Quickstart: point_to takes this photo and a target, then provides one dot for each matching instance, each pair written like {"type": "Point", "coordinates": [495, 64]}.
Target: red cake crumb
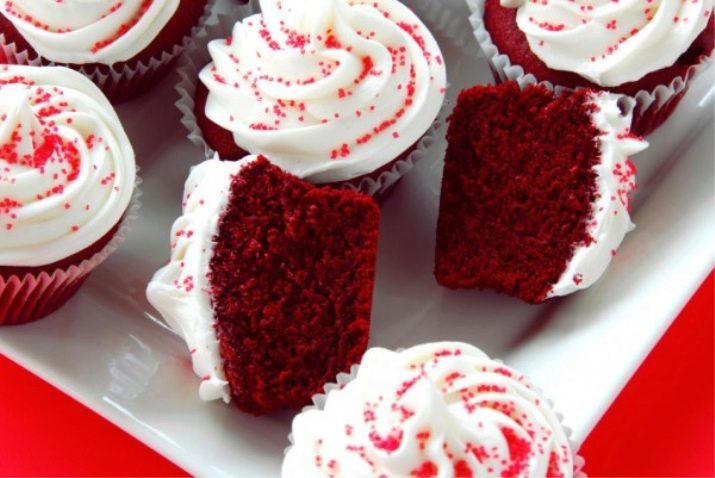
{"type": "Point", "coordinates": [292, 279]}
{"type": "Point", "coordinates": [517, 190]}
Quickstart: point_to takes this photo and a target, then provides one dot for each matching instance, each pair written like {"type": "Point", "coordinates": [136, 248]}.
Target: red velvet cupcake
{"type": "Point", "coordinates": [124, 47]}
{"type": "Point", "coordinates": [344, 94]}
{"type": "Point", "coordinates": [270, 282]}
{"type": "Point", "coordinates": [67, 177]}
{"type": "Point", "coordinates": [645, 49]}
{"type": "Point", "coordinates": [536, 189]}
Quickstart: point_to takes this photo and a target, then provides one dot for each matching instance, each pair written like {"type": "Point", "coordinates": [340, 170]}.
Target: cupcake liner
{"type": "Point", "coordinates": [193, 61]}
{"type": "Point", "coordinates": [652, 107]}
{"type": "Point", "coordinates": [33, 296]}
{"type": "Point", "coordinates": [129, 80]}
{"type": "Point", "coordinates": [197, 57]}
{"type": "Point", "coordinates": [343, 379]}
{"type": "Point", "coordinates": [381, 184]}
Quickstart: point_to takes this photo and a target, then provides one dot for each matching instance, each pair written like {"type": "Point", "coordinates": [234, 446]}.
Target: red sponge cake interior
{"type": "Point", "coordinates": [292, 279]}
{"type": "Point", "coordinates": [517, 190]}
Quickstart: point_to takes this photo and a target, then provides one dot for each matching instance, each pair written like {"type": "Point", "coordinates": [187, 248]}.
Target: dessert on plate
{"type": "Point", "coordinates": [330, 90]}
{"type": "Point", "coordinates": [647, 49]}
{"type": "Point", "coordinates": [270, 282]}
{"type": "Point", "coordinates": [439, 409]}
{"type": "Point", "coordinates": [67, 176]}
{"type": "Point", "coordinates": [536, 189]}
{"type": "Point", "coordinates": [125, 47]}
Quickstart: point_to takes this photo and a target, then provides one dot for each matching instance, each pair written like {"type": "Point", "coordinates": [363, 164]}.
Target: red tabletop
{"type": "Point", "coordinates": [662, 424]}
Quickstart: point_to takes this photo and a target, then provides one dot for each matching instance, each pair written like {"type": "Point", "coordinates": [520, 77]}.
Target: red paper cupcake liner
{"type": "Point", "coordinates": [377, 183]}
{"type": "Point", "coordinates": [125, 83]}
{"type": "Point", "coordinates": [653, 107]}
{"type": "Point", "coordinates": [34, 295]}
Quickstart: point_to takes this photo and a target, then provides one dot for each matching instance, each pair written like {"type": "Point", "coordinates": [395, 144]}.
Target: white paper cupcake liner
{"type": "Point", "coordinates": [121, 84]}
{"type": "Point", "coordinates": [651, 106]}
{"type": "Point", "coordinates": [197, 57]}
{"type": "Point", "coordinates": [35, 295]}
{"type": "Point", "coordinates": [319, 400]}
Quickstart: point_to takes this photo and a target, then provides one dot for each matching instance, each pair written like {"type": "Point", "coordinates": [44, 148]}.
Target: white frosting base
{"type": "Point", "coordinates": [610, 42]}
{"type": "Point", "coordinates": [66, 200]}
{"type": "Point", "coordinates": [74, 31]}
{"type": "Point", "coordinates": [615, 179]}
{"type": "Point", "coordinates": [442, 403]}
{"type": "Point", "coordinates": [180, 291]}
{"type": "Point", "coordinates": [328, 89]}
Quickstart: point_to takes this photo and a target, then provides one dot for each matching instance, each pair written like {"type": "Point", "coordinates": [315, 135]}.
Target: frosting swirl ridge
{"type": "Point", "coordinates": [439, 409]}
{"type": "Point", "coordinates": [89, 31]}
{"type": "Point", "coordinates": [67, 169]}
{"type": "Point", "coordinates": [328, 89]}
{"type": "Point", "coordinates": [610, 42]}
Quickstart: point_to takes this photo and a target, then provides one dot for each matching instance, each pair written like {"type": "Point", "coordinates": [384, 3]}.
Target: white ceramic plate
{"type": "Point", "coordinates": [103, 349]}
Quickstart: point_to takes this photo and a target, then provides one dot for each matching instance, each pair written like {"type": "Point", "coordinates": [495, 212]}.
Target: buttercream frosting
{"type": "Point", "coordinates": [328, 89]}
{"type": "Point", "coordinates": [610, 42]}
{"type": "Point", "coordinates": [180, 291]}
{"type": "Point", "coordinates": [439, 409]}
{"type": "Point", "coordinates": [610, 218]}
{"type": "Point", "coordinates": [89, 31]}
{"type": "Point", "coordinates": [67, 169]}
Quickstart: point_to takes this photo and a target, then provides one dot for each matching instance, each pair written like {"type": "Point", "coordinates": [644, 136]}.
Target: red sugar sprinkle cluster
{"type": "Point", "coordinates": [11, 10]}
{"type": "Point", "coordinates": [517, 191]}
{"type": "Point", "coordinates": [285, 114]}
{"type": "Point", "coordinates": [510, 462]}
{"type": "Point", "coordinates": [291, 284]}
{"type": "Point", "coordinates": [48, 153]}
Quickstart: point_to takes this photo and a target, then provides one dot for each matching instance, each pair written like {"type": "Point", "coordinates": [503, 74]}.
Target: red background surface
{"type": "Point", "coordinates": [662, 424]}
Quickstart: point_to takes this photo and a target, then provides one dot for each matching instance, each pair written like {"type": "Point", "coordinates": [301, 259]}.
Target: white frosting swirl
{"type": "Point", "coordinates": [610, 42]}
{"type": "Point", "coordinates": [180, 290]}
{"type": "Point", "coordinates": [328, 89]}
{"type": "Point", "coordinates": [67, 169]}
{"type": "Point", "coordinates": [89, 31]}
{"type": "Point", "coordinates": [615, 180]}
{"type": "Point", "coordinates": [440, 409]}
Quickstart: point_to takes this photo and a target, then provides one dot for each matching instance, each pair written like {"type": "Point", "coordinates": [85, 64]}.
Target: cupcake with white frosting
{"type": "Point", "coordinates": [125, 47]}
{"type": "Point", "coordinates": [646, 49]}
{"type": "Point", "coordinates": [330, 90]}
{"type": "Point", "coordinates": [439, 409]}
{"type": "Point", "coordinates": [67, 177]}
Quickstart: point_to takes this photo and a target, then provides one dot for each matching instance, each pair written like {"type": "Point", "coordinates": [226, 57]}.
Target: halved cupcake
{"type": "Point", "coordinates": [536, 190]}
{"type": "Point", "coordinates": [270, 282]}
{"type": "Point", "coordinates": [67, 176]}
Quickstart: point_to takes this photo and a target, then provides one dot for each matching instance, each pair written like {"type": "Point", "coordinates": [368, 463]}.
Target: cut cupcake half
{"type": "Point", "coordinates": [536, 190]}
{"type": "Point", "coordinates": [270, 282]}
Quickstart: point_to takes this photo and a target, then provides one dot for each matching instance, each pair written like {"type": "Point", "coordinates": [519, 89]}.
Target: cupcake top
{"type": "Point", "coordinates": [609, 42]}
{"type": "Point", "coordinates": [67, 169]}
{"type": "Point", "coordinates": [328, 89]}
{"type": "Point", "coordinates": [439, 409]}
{"type": "Point", "coordinates": [89, 31]}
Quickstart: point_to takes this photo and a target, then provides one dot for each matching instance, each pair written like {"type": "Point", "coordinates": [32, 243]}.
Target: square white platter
{"type": "Point", "coordinates": [105, 349]}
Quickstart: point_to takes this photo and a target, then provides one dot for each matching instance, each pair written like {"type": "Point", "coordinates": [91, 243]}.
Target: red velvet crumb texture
{"type": "Point", "coordinates": [517, 189]}
{"type": "Point", "coordinates": [500, 22]}
{"type": "Point", "coordinates": [179, 26]}
{"type": "Point", "coordinates": [292, 279]}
